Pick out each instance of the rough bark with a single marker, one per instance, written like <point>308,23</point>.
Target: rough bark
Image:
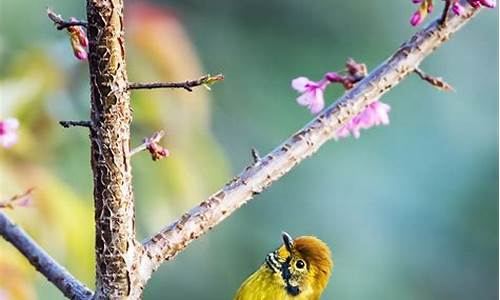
<point>116,248</point>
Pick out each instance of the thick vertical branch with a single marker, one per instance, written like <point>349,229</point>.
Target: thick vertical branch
<point>116,247</point>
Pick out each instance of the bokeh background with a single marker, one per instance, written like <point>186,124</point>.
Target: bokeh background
<point>410,210</point>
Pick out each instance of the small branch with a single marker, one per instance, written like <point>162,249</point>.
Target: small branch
<point>45,264</point>
<point>61,23</point>
<point>437,82</point>
<point>446,9</point>
<point>171,240</point>
<point>68,124</point>
<point>256,156</point>
<point>187,85</point>
<point>17,200</point>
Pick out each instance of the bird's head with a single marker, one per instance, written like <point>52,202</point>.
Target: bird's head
<point>304,264</point>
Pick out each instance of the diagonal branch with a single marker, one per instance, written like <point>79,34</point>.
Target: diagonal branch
<point>171,240</point>
<point>45,264</point>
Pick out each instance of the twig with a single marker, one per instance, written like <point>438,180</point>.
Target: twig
<point>256,156</point>
<point>171,240</point>
<point>68,124</point>
<point>446,9</point>
<point>17,200</point>
<point>187,85</point>
<point>437,82</point>
<point>45,264</point>
<point>61,23</point>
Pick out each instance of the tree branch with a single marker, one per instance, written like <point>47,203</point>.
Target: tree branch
<point>55,273</point>
<point>68,124</point>
<point>117,251</point>
<point>187,85</point>
<point>166,244</point>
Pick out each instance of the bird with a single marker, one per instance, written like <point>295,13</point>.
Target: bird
<point>298,270</point>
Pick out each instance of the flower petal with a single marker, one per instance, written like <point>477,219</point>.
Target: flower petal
<point>8,139</point>
<point>343,132</point>
<point>300,84</point>
<point>304,99</point>
<point>10,124</point>
<point>318,102</point>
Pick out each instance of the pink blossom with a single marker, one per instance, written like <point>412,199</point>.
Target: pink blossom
<point>474,3</point>
<point>79,32</point>
<point>374,114</point>
<point>430,8</point>
<point>417,18</point>
<point>156,150</point>
<point>312,93</point>
<point>488,3</point>
<point>78,39</point>
<point>8,132</point>
<point>425,7</point>
<point>334,77</point>
<point>80,52</point>
<point>25,202</point>
<point>458,9</point>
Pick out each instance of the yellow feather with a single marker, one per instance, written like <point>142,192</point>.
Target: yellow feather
<point>266,284</point>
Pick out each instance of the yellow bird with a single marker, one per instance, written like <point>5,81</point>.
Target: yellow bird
<point>298,270</point>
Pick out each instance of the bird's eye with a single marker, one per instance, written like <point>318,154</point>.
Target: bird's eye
<point>300,264</point>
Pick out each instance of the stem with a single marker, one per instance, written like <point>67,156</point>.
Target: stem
<point>46,265</point>
<point>171,240</point>
<point>444,14</point>
<point>437,82</point>
<point>117,250</point>
<point>68,124</point>
<point>187,85</point>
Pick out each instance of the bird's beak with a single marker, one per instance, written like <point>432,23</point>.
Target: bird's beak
<point>287,241</point>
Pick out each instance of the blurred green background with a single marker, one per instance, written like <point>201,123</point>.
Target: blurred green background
<point>410,210</point>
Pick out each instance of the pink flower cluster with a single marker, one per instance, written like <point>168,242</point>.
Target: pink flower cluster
<point>78,39</point>
<point>312,92</point>
<point>8,132</point>
<point>458,9</point>
<point>312,97</point>
<point>375,114</point>
<point>426,7</point>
